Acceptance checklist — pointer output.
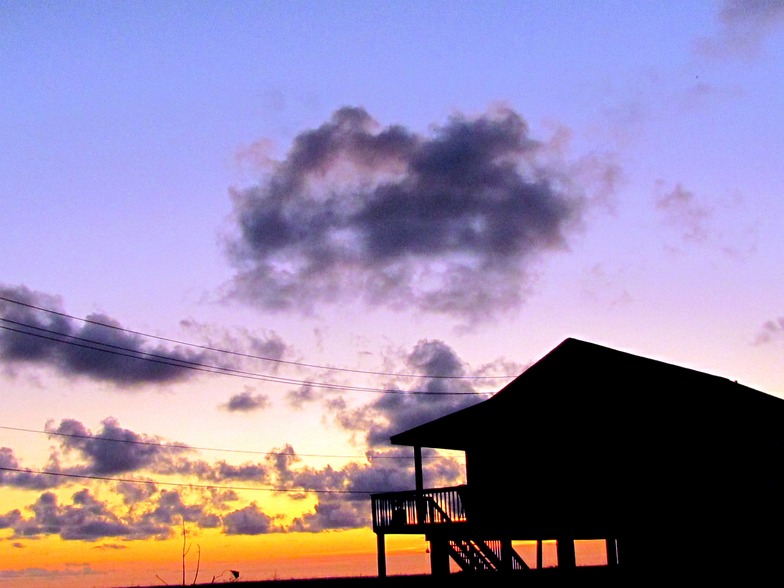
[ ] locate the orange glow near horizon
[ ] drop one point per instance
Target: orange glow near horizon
(53, 562)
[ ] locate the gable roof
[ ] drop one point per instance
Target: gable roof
(582, 388)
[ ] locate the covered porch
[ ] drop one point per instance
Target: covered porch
(474, 544)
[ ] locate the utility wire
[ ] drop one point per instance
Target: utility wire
(199, 366)
(182, 484)
(185, 447)
(247, 355)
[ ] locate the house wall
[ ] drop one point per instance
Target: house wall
(702, 495)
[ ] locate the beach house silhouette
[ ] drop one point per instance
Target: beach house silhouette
(674, 469)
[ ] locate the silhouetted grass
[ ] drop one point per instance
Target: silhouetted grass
(546, 578)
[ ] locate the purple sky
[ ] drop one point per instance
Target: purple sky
(440, 188)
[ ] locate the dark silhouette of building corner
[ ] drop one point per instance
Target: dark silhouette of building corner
(676, 470)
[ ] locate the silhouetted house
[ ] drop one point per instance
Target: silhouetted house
(675, 469)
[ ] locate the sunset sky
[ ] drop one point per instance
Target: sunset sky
(339, 220)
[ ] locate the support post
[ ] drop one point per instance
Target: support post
(420, 486)
(439, 557)
(539, 555)
(565, 550)
(381, 555)
(506, 555)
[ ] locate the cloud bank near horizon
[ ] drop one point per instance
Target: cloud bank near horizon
(149, 511)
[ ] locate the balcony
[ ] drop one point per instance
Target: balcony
(440, 514)
(405, 512)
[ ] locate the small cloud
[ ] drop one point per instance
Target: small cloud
(250, 520)
(247, 402)
(680, 209)
(772, 330)
(603, 285)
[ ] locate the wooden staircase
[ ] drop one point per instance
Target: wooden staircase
(439, 513)
(473, 555)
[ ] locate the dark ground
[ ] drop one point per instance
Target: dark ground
(546, 578)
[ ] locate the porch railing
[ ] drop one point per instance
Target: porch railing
(398, 510)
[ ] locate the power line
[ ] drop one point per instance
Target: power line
(247, 355)
(186, 447)
(184, 484)
(199, 366)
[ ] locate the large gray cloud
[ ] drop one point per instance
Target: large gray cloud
(126, 359)
(117, 450)
(85, 519)
(101, 349)
(446, 223)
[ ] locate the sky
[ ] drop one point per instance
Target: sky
(244, 243)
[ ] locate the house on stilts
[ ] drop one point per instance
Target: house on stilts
(673, 469)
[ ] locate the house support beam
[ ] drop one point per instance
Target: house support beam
(381, 555)
(439, 557)
(565, 550)
(506, 555)
(420, 485)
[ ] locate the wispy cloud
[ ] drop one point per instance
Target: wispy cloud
(681, 209)
(446, 223)
(744, 25)
(393, 413)
(48, 575)
(772, 330)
